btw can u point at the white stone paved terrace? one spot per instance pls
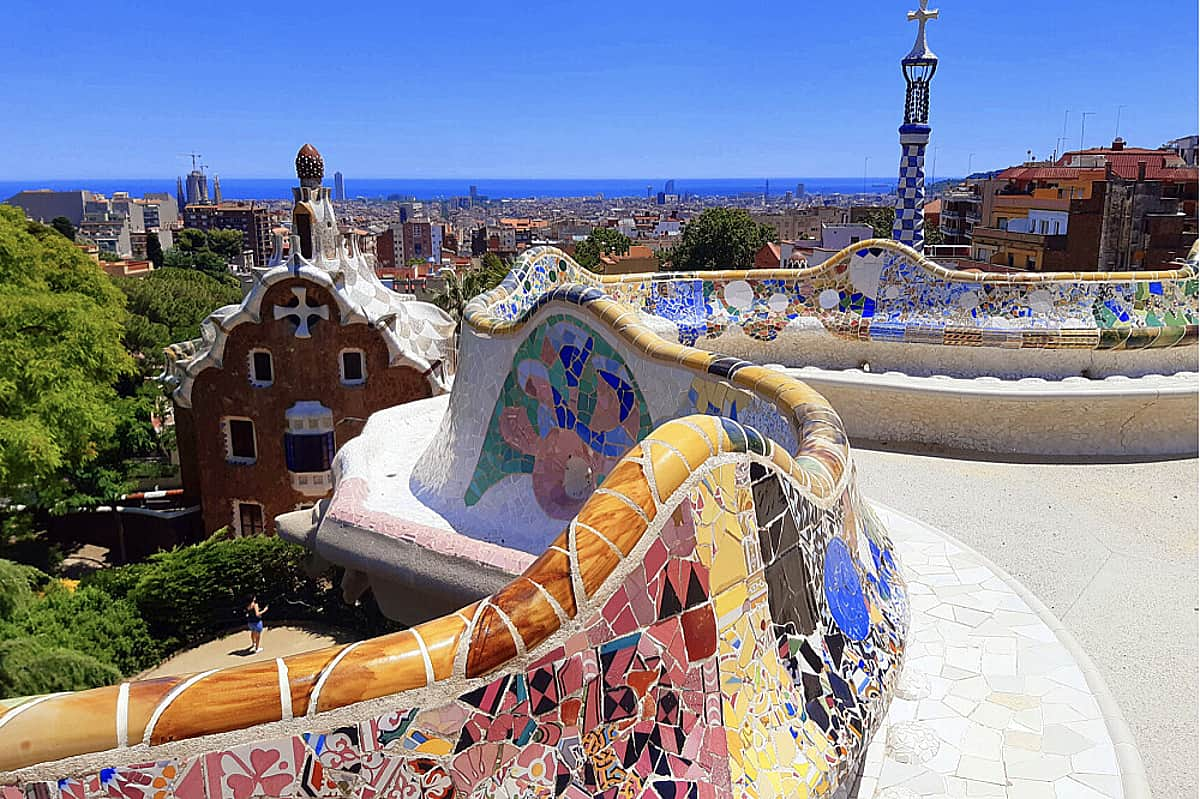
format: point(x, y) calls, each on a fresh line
point(1110, 548)
point(994, 700)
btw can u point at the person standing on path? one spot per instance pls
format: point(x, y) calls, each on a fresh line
point(254, 622)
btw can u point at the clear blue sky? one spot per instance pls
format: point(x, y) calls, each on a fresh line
point(95, 89)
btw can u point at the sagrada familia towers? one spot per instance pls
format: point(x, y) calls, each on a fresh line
point(919, 66)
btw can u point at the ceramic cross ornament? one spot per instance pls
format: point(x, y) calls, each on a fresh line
point(302, 311)
point(923, 15)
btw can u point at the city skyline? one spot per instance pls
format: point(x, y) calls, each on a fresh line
point(558, 93)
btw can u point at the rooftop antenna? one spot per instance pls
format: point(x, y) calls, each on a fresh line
point(1060, 146)
point(1083, 115)
point(1117, 132)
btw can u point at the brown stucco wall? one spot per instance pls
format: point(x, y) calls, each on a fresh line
point(304, 369)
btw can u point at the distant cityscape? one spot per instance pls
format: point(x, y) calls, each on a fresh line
point(1039, 215)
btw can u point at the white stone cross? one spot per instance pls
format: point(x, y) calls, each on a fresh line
point(302, 311)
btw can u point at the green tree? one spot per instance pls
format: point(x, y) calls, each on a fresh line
point(29, 667)
point(89, 620)
point(63, 226)
point(720, 238)
point(228, 244)
point(91, 637)
point(601, 241)
point(154, 250)
point(168, 305)
point(17, 583)
point(460, 287)
point(210, 252)
point(881, 220)
point(190, 240)
point(187, 595)
point(61, 323)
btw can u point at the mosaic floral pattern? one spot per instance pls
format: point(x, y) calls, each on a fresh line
point(886, 292)
point(568, 410)
point(719, 667)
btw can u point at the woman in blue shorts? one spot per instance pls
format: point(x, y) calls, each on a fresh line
point(254, 623)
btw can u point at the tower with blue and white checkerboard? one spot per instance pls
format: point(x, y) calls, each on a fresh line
point(919, 66)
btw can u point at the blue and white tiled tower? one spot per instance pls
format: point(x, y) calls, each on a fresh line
point(919, 66)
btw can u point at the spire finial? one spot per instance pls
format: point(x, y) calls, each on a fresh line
point(310, 167)
point(922, 15)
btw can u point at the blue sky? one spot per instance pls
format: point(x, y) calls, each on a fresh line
point(97, 89)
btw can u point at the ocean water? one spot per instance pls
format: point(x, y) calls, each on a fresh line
point(434, 189)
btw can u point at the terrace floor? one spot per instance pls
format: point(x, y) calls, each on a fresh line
point(1110, 549)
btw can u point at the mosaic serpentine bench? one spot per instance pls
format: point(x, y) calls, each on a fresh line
point(837, 314)
point(715, 611)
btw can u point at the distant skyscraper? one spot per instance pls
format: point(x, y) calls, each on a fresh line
point(649, 192)
point(919, 66)
point(799, 189)
point(474, 192)
point(669, 187)
point(217, 189)
point(339, 186)
point(180, 197)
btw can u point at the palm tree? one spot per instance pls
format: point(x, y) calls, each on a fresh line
point(460, 288)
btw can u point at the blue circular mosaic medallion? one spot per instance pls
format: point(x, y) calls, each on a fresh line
point(844, 592)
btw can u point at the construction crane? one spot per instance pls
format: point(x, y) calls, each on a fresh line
point(194, 157)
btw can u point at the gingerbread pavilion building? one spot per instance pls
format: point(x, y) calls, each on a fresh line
point(275, 385)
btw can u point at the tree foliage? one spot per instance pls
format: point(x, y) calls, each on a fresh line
point(461, 287)
point(210, 252)
point(17, 584)
point(29, 667)
point(58, 638)
point(601, 241)
point(89, 620)
point(123, 620)
point(168, 305)
point(719, 238)
point(883, 219)
point(63, 226)
point(154, 250)
point(61, 355)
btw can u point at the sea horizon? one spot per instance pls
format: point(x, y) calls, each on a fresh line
point(492, 188)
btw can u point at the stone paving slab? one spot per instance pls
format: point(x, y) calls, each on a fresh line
point(996, 698)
